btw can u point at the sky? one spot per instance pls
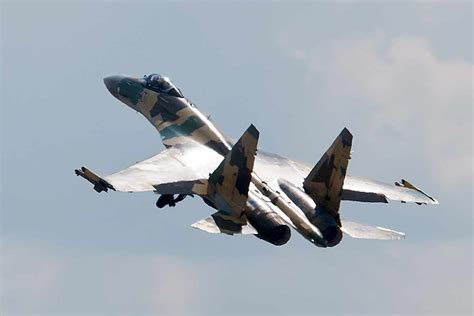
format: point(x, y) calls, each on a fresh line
point(397, 74)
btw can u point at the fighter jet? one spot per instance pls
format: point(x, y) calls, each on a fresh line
point(253, 191)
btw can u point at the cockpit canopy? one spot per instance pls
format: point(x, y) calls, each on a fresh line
point(162, 84)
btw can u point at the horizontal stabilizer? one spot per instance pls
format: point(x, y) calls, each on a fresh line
point(356, 230)
point(221, 223)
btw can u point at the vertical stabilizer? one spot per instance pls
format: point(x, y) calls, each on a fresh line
point(324, 183)
point(229, 183)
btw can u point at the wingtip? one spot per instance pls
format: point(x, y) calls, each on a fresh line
point(410, 185)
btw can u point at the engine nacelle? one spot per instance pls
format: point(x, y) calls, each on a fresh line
point(327, 225)
point(318, 216)
point(268, 224)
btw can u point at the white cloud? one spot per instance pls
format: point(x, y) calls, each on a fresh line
point(400, 84)
point(36, 279)
point(397, 277)
point(28, 273)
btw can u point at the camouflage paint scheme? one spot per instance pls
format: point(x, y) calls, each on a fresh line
point(177, 120)
point(228, 185)
point(254, 192)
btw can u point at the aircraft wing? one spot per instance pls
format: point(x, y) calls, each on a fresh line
point(366, 190)
point(270, 167)
point(181, 164)
point(189, 162)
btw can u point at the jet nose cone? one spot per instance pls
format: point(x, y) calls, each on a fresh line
point(112, 84)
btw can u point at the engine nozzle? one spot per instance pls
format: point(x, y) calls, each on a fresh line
point(318, 216)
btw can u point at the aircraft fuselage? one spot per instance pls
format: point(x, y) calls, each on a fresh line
point(179, 121)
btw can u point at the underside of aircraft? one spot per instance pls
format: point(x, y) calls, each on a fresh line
point(253, 191)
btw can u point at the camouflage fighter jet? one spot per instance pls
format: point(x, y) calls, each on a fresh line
point(253, 191)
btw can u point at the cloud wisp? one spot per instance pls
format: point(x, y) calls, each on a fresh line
point(400, 84)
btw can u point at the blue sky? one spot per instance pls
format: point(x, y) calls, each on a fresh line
point(398, 75)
